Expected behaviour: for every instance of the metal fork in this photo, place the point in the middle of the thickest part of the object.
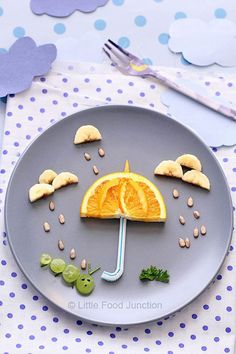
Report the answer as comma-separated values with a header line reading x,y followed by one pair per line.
x,y
129,64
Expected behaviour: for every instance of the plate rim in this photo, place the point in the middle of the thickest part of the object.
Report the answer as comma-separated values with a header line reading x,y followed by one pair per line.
x,y
153,318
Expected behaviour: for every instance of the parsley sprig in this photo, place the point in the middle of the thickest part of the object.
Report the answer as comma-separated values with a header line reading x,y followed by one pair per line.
x,y
153,273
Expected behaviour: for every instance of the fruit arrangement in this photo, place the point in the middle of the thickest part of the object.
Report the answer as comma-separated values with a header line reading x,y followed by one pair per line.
x,y
121,195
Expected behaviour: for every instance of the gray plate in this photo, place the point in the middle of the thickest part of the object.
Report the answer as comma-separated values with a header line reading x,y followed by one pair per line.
x,y
145,138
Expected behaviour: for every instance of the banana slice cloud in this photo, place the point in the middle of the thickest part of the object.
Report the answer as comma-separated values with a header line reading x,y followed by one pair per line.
x,y
174,169
87,133
49,181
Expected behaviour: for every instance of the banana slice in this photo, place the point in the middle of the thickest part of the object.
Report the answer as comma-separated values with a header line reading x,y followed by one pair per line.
x,y
87,133
190,161
47,176
198,178
40,190
63,179
169,168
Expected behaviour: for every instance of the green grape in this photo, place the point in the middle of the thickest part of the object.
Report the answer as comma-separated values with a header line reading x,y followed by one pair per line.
x,y
57,265
70,273
85,284
45,259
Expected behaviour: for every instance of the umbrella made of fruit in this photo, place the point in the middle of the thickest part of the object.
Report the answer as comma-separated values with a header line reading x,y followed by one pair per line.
x,y
127,196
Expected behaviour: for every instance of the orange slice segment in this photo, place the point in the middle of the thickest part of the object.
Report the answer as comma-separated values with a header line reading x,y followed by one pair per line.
x,y
133,200
109,203
156,210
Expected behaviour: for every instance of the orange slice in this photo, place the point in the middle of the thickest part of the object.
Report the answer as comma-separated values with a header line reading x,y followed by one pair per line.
x,y
124,194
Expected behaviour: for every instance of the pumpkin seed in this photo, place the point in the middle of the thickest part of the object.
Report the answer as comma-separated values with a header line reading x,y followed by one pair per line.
x,y
83,264
187,242
181,220
203,230
175,193
61,245
61,219
72,253
182,242
87,156
46,227
190,202
196,214
101,152
196,232
95,170
51,205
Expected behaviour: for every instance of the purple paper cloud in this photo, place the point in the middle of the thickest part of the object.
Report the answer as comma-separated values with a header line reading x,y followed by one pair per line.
x,y
22,63
63,8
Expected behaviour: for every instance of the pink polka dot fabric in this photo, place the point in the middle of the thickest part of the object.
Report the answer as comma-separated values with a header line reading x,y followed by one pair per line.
x,y
29,323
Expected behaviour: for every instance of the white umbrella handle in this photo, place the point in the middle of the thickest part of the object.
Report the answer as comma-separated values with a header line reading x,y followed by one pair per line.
x,y
120,255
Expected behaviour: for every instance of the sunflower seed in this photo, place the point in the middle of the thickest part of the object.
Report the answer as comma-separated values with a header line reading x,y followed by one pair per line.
x,y
196,232
72,253
182,242
83,264
61,245
51,205
46,227
190,202
101,152
181,220
87,156
95,170
61,219
203,230
196,214
175,193
187,242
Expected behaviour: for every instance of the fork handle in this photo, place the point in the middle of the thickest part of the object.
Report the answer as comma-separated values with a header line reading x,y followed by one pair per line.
x,y
206,101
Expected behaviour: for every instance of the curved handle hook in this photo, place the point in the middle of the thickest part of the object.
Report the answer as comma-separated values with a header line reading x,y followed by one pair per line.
x,y
120,255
